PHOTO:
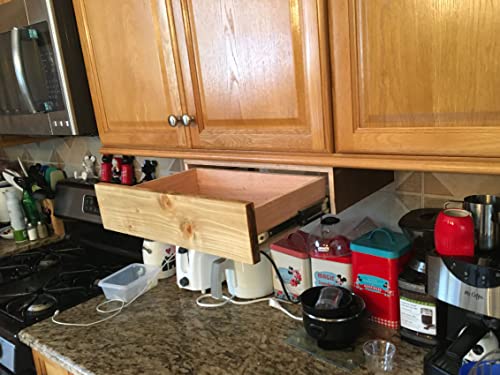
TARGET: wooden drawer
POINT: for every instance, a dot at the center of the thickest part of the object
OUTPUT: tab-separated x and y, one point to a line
211	210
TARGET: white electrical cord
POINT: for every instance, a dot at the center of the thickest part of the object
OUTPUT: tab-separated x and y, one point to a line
273	302
117	310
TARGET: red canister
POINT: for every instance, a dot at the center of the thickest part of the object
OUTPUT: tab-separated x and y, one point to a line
454	233
377	259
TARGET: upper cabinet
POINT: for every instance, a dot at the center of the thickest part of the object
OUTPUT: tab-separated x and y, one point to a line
238	75
258	73
416	77
129	51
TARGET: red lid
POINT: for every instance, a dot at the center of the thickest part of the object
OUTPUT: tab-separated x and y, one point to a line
294	245
347	259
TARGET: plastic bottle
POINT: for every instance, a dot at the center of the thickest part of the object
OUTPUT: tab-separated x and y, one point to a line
30	207
16	216
32	232
41	229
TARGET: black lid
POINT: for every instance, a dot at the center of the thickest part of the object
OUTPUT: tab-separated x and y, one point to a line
329	220
422	219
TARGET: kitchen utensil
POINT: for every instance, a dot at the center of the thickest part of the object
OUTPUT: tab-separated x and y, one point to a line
379	355
9	175
21	165
194	269
332	328
378	257
454	233
484	210
157	254
294	265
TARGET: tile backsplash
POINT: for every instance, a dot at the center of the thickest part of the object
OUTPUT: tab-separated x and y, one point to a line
410	190
67	153
418	189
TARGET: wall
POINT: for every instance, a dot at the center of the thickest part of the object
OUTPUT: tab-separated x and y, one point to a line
67	153
410	190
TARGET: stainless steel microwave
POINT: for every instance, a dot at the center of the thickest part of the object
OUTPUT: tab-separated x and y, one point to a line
43	84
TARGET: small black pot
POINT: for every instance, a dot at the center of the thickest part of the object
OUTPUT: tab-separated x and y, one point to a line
333	329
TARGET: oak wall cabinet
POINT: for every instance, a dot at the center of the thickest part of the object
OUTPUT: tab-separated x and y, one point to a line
218	75
416	77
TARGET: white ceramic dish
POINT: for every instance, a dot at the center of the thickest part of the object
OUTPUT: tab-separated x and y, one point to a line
7	233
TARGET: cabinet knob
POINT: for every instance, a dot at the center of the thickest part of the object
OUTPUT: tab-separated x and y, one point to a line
173	120
186	119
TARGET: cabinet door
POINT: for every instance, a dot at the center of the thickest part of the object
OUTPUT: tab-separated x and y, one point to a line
258	71
130	56
416	77
45	366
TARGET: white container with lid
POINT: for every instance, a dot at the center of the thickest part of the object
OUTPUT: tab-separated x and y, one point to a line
127	283
292	259
331	260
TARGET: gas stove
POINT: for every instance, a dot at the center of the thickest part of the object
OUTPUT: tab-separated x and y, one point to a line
34	284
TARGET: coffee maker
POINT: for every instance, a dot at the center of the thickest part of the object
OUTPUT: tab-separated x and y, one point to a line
468	294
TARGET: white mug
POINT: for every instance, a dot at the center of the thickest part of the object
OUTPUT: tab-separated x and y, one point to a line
157	253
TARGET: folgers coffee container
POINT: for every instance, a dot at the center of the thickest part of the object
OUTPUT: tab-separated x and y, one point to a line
377	259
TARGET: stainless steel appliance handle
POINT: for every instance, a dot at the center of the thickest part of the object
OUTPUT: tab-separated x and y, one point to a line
17	60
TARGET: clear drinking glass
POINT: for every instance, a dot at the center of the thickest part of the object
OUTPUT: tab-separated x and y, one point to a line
379	355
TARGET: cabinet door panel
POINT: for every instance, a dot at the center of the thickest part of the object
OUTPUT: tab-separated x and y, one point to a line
258	74
417	77
130	59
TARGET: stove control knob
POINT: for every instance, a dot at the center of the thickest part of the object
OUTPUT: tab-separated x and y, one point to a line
184	282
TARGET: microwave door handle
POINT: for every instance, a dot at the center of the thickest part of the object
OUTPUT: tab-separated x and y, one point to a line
17	59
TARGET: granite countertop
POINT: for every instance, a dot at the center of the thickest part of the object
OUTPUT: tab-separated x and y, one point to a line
10	247
165	332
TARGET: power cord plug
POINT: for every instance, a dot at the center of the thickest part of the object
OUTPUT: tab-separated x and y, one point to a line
275	304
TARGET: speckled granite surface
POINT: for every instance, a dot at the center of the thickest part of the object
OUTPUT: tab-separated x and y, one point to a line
10	247
164	332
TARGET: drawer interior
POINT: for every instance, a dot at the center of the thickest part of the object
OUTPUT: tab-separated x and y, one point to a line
212	210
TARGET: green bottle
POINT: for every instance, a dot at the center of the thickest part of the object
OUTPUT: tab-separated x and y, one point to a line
30	208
